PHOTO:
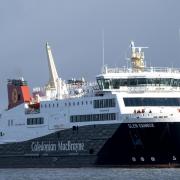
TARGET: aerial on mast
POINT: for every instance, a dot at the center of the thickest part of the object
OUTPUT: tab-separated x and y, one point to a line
103	47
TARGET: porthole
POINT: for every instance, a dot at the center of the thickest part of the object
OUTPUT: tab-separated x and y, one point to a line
174	158
142	159
153	159
133	159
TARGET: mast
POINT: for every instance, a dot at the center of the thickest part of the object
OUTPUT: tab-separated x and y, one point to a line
53	75
103	47
54	88
137	57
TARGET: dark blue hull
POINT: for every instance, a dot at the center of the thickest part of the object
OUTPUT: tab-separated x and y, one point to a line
133	144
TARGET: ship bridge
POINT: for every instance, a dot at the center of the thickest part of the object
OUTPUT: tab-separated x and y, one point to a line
115	78
139	77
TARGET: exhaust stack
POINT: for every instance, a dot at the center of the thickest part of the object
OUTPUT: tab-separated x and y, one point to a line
18	92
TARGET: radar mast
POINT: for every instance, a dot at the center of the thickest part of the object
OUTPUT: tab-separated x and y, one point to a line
137	57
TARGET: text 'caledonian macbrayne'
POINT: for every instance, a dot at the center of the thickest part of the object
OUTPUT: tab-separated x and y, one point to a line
37	146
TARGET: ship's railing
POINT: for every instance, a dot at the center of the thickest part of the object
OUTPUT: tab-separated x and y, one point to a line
146	69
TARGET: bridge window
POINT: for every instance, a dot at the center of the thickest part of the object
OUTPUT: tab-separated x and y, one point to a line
117	83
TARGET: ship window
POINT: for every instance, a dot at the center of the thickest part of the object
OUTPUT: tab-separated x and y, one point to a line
49	105
9	123
57	104
78	103
93	117
152	101
104	103
100	84
45	105
73	103
65	104
38	121
86	102
30	121
123	82
117	83
106	83
35	121
53	104
69	104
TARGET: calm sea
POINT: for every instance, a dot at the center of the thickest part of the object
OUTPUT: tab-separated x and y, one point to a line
89	174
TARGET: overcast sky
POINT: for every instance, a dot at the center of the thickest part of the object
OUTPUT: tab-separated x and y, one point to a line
73	29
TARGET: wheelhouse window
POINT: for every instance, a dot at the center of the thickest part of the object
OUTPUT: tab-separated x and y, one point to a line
132	82
152	101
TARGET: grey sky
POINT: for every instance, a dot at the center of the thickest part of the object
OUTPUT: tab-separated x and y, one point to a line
73	29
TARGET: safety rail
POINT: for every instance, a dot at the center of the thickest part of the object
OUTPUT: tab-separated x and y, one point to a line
107	70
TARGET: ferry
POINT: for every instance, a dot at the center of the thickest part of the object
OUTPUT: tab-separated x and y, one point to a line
129	117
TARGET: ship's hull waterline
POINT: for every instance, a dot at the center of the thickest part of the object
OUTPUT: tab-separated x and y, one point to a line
133	144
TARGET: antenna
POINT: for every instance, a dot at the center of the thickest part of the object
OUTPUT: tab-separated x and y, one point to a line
133	47
103	47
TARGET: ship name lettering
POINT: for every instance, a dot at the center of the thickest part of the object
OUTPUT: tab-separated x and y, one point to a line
143	125
147	125
59	146
70	146
37	147
131	126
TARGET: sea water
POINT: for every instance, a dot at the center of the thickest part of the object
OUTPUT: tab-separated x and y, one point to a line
90	174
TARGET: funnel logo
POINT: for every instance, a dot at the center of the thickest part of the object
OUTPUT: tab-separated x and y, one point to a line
14	96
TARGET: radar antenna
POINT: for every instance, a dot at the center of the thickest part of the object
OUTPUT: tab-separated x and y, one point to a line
137	57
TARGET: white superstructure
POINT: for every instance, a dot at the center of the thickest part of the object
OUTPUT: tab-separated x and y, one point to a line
121	95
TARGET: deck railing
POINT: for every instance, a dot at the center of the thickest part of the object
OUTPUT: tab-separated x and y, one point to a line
146	69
